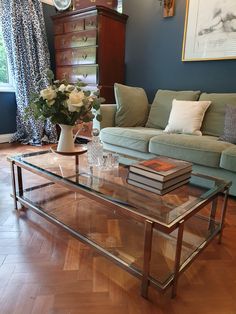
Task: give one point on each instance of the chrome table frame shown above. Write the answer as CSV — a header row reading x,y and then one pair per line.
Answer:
x,y
144,276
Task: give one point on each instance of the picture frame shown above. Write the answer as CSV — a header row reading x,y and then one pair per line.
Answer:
x,y
210,30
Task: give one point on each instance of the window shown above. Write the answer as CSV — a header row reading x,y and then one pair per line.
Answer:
x,y
6,84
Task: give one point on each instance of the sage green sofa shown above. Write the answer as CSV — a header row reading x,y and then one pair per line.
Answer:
x,y
208,154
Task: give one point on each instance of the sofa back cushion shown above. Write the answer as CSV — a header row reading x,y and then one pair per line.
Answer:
x,y
162,104
132,106
186,116
213,122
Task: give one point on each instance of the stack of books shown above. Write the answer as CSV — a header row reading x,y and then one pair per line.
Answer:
x,y
160,175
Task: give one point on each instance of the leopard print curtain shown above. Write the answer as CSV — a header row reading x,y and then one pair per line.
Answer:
x,y
26,44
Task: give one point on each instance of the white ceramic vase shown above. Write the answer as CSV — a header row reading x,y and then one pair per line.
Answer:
x,y
66,140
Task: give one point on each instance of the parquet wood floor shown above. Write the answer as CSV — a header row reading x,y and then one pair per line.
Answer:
x,y
44,270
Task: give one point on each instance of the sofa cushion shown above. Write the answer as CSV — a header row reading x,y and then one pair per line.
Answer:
x,y
162,104
213,122
132,106
229,125
202,150
136,138
186,116
228,159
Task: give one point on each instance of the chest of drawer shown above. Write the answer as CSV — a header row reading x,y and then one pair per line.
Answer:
x,y
75,40
88,74
75,56
74,26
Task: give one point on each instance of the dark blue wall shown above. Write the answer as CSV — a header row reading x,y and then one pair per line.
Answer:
x,y
48,11
8,113
154,48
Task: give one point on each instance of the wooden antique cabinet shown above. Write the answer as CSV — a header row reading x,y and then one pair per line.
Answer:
x,y
90,45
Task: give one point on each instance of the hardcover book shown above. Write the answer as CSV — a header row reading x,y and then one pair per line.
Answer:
x,y
158,184
157,191
161,168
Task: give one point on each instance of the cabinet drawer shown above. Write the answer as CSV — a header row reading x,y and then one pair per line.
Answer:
x,y
90,22
88,74
85,55
74,26
86,38
58,28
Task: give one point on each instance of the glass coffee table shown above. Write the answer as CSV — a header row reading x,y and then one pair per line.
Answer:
x,y
153,237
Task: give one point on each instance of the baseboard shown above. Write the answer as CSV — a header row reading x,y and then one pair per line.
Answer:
x,y
5,138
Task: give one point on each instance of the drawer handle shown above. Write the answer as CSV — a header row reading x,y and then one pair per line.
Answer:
x,y
85,38
85,76
84,56
91,23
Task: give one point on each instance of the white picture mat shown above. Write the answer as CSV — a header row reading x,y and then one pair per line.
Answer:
x,y
210,30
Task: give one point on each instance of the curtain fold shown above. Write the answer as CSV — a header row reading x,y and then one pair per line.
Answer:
x,y
24,34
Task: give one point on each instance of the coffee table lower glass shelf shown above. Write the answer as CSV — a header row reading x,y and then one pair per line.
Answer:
x,y
153,237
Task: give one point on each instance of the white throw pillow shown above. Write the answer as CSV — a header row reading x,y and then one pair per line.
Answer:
x,y
186,116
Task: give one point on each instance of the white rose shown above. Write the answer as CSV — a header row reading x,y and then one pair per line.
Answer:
x,y
75,101
48,94
62,88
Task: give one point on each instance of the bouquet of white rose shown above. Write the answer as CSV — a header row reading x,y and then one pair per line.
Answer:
x,y
64,103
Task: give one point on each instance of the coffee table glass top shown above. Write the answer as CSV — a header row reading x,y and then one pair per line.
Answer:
x,y
111,184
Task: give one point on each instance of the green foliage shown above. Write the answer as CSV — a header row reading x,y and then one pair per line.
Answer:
x,y
3,62
63,103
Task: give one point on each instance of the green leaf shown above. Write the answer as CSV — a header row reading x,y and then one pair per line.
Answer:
x,y
97,93
96,106
81,84
87,93
99,117
50,74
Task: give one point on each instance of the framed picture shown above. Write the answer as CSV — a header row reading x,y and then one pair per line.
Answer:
x,y
210,30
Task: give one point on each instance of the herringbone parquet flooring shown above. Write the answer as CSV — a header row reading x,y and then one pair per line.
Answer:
x,y
44,270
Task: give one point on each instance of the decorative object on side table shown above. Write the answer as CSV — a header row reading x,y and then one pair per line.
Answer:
x,y
62,5
66,105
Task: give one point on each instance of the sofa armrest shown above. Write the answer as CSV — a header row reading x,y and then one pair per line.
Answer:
x,y
108,112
